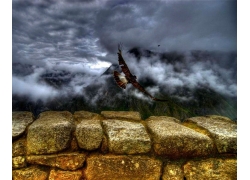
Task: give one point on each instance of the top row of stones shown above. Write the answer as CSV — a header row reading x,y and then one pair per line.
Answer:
x,y
165,131
22,119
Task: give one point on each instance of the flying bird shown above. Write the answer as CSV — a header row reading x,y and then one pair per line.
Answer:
x,y
122,80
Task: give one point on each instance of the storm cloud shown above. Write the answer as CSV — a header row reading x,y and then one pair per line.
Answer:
x,y
81,37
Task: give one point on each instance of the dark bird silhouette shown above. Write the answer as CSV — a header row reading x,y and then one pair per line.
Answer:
x,y
122,80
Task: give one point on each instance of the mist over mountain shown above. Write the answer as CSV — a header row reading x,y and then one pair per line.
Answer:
x,y
64,53
194,83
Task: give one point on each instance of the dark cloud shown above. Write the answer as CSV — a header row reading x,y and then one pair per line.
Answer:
x,y
181,25
81,37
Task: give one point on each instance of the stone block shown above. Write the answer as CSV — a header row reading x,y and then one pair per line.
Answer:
x,y
221,129
174,140
111,167
30,173
20,121
126,137
80,116
89,134
65,175
125,115
164,118
211,168
65,161
50,133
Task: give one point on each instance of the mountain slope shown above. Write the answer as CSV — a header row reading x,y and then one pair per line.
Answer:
x,y
103,93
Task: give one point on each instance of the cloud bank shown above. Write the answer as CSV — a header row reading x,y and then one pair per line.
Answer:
x,y
192,70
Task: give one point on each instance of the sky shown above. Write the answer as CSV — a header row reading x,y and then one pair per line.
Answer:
x,y
82,37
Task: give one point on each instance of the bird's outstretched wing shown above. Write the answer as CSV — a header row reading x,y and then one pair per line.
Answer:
x,y
122,63
139,87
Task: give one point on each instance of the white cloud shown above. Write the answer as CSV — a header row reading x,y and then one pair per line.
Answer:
x,y
29,86
191,74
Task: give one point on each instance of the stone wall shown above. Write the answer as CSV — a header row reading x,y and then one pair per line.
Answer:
x,y
59,145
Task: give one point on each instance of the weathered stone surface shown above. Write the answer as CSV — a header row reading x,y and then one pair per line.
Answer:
x,y
128,115
222,130
18,162
212,168
126,137
110,167
30,173
50,133
65,161
175,141
164,118
20,120
19,147
65,175
89,134
173,171
80,116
